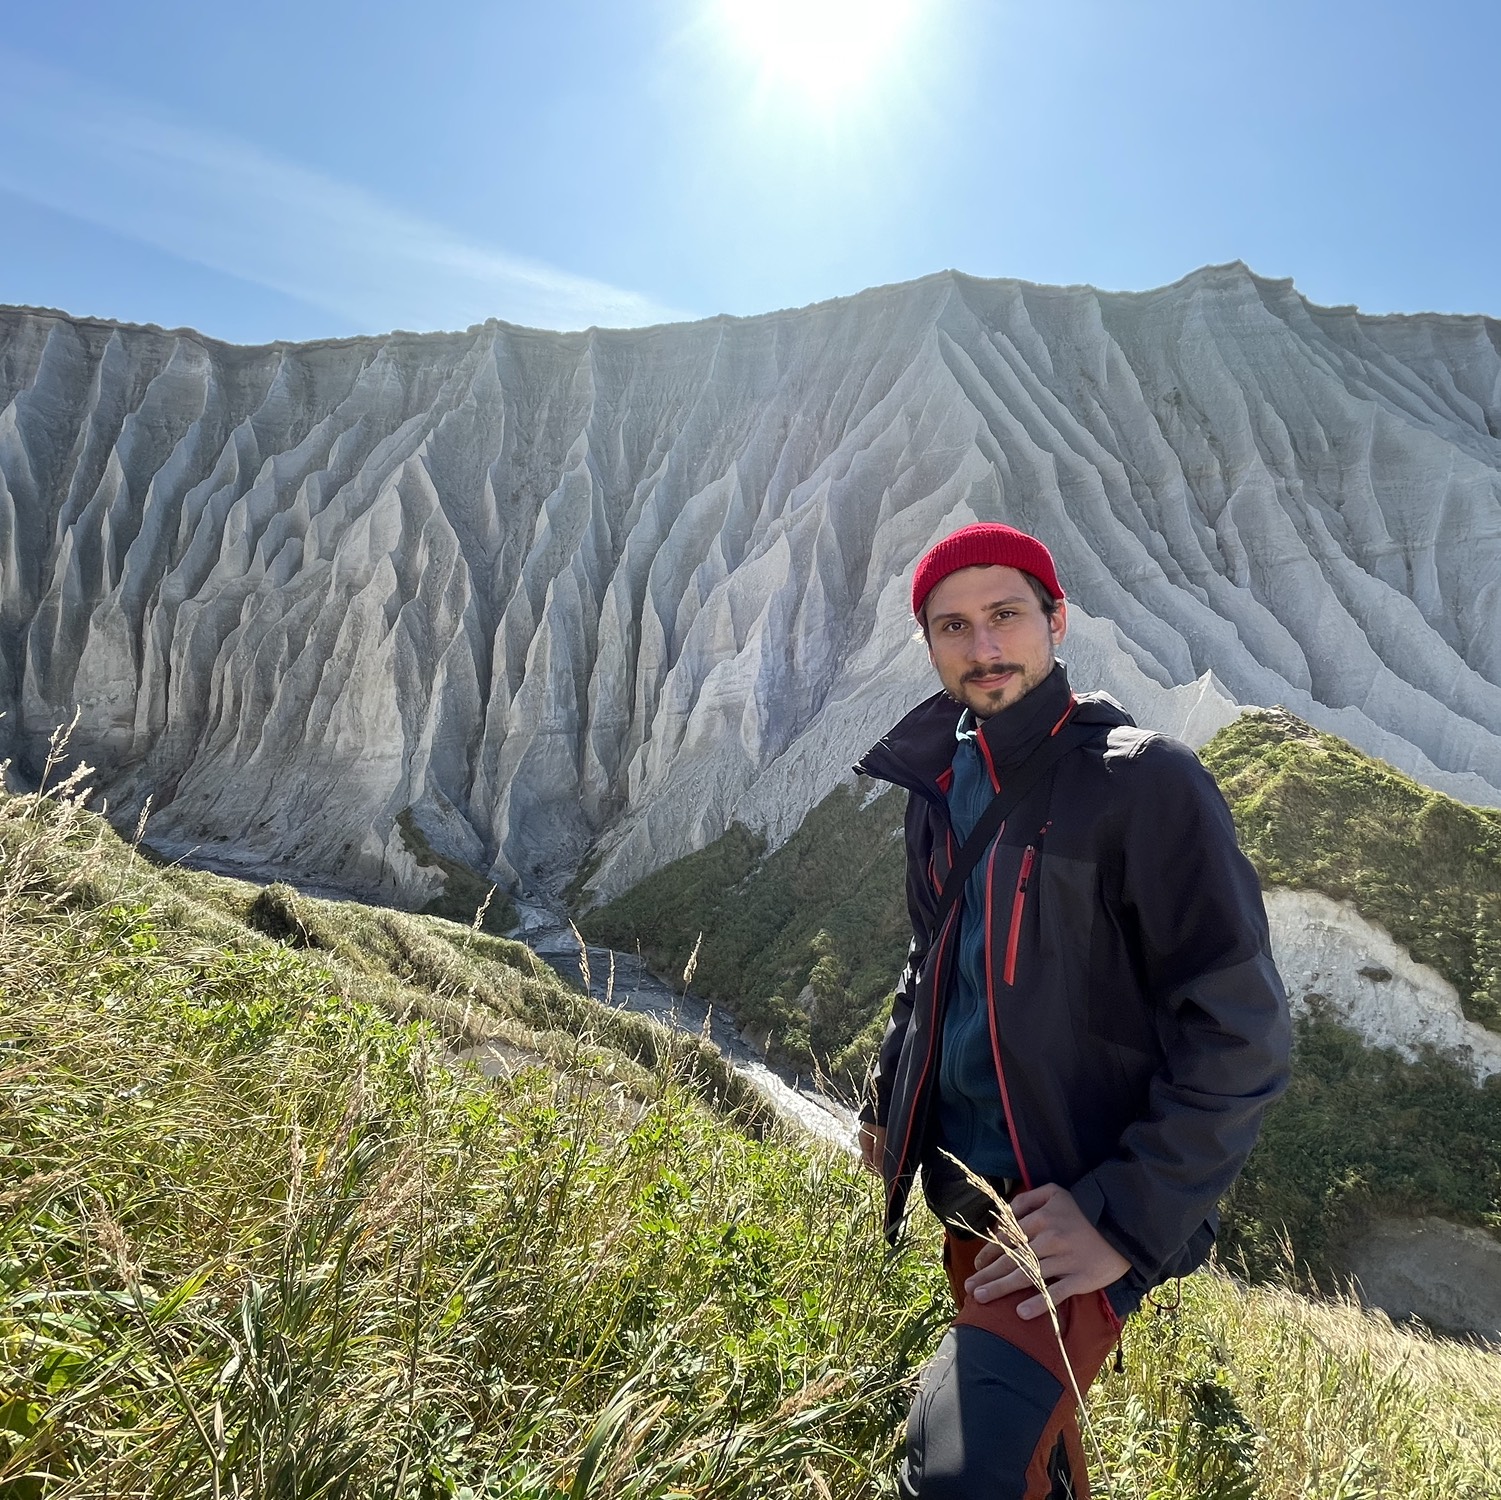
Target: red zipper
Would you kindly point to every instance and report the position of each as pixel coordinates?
(995, 1040)
(995, 780)
(1018, 902)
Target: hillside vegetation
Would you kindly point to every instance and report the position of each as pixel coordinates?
(1359, 1133)
(261, 1235)
(802, 945)
(1312, 812)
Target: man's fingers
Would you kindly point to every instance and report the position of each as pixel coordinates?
(1003, 1286)
(990, 1251)
(1060, 1291)
(997, 1265)
(1033, 1198)
(1047, 1242)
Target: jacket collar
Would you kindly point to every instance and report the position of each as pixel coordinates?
(920, 748)
(1010, 736)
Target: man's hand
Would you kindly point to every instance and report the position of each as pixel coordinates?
(872, 1146)
(1074, 1255)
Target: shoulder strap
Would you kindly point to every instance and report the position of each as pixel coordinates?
(1022, 780)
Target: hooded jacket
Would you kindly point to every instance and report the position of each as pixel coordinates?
(1138, 1025)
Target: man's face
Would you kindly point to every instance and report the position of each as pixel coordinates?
(988, 638)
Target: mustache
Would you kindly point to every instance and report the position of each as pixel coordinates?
(989, 669)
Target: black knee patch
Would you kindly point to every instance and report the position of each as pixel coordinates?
(978, 1416)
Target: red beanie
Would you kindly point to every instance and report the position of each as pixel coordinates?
(985, 544)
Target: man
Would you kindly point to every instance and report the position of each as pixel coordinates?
(1095, 1026)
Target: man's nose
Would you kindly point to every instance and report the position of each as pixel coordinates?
(984, 642)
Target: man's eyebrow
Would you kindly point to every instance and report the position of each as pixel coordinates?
(954, 614)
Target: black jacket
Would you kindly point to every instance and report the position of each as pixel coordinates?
(1141, 1026)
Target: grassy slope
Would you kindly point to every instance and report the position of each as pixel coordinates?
(1314, 813)
(257, 1233)
(1358, 1133)
(258, 1238)
(841, 874)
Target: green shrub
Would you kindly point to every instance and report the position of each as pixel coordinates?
(824, 917)
(1313, 813)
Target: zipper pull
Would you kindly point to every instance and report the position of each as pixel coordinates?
(1026, 874)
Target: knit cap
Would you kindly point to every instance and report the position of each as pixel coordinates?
(985, 544)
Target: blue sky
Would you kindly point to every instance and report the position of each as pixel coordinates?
(326, 168)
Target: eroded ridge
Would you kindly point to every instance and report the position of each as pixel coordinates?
(563, 593)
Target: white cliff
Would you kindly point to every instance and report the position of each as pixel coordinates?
(1331, 958)
(608, 591)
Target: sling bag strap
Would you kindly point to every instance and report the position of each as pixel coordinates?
(1022, 780)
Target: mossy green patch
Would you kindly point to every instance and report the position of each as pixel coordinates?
(1314, 813)
(823, 918)
(1360, 1131)
(466, 896)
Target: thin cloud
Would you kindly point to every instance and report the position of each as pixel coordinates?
(226, 204)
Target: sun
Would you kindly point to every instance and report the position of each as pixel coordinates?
(824, 50)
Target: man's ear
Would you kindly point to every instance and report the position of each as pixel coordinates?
(1058, 622)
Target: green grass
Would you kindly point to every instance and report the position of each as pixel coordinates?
(1361, 1133)
(802, 945)
(1313, 813)
(261, 1236)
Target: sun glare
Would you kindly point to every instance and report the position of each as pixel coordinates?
(825, 50)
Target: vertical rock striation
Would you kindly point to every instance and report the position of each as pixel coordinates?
(596, 594)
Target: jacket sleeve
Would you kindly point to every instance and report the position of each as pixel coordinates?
(1218, 1008)
(920, 905)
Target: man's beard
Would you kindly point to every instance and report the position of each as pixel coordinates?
(985, 701)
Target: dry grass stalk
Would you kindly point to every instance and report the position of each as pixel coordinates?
(819, 1483)
(692, 965)
(630, 1441)
(578, 937)
(833, 1384)
(332, 1155)
(140, 829)
(112, 1239)
(32, 1183)
(296, 1161)
(479, 916)
(1006, 1232)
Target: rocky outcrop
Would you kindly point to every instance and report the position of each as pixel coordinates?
(1331, 958)
(562, 594)
(1448, 1275)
